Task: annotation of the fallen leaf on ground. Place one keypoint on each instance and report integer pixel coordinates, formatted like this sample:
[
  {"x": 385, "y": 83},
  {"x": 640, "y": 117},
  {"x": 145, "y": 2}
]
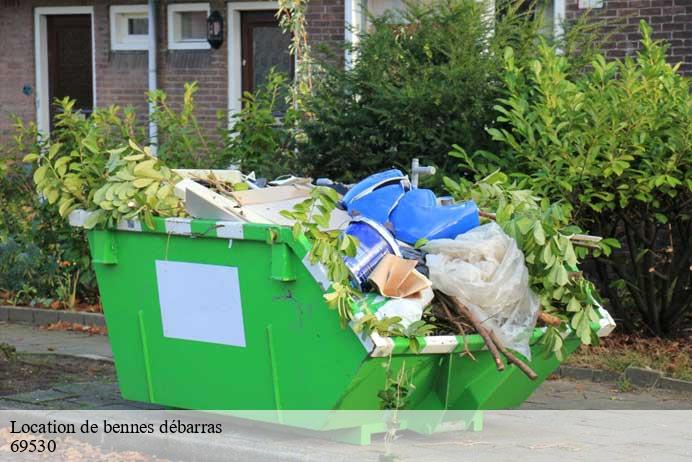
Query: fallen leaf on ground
[{"x": 75, "y": 327}]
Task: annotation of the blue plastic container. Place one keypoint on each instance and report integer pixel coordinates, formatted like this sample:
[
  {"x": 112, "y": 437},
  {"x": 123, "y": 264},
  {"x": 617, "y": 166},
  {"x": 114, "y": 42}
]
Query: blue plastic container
[
  {"x": 374, "y": 242},
  {"x": 418, "y": 216},
  {"x": 377, "y": 195}
]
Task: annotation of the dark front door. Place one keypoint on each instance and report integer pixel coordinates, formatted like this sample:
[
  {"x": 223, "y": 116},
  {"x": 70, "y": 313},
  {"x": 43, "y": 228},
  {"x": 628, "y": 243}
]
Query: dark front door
[
  {"x": 264, "y": 45},
  {"x": 69, "y": 61}
]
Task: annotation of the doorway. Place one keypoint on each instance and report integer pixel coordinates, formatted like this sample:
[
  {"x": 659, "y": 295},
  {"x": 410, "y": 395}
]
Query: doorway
[
  {"x": 69, "y": 62},
  {"x": 64, "y": 54},
  {"x": 264, "y": 46}
]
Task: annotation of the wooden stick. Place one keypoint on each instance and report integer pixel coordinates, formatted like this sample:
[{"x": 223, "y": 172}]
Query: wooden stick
[
  {"x": 461, "y": 309},
  {"x": 549, "y": 319},
  {"x": 585, "y": 237},
  {"x": 513, "y": 359},
  {"x": 459, "y": 327}
]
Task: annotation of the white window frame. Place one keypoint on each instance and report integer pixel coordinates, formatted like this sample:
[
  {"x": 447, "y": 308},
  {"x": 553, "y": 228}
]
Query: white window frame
[
  {"x": 41, "y": 59},
  {"x": 558, "y": 17},
  {"x": 173, "y": 23},
  {"x": 120, "y": 38},
  {"x": 235, "y": 52}
]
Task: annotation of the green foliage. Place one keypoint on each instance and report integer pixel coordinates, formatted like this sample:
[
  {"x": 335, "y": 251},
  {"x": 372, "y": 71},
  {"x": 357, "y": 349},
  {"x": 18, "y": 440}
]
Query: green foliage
[
  {"x": 423, "y": 79},
  {"x": 614, "y": 145},
  {"x": 543, "y": 233},
  {"x": 182, "y": 141},
  {"x": 397, "y": 389},
  {"x": 262, "y": 142},
  {"x": 259, "y": 140},
  {"x": 84, "y": 166},
  {"x": 327, "y": 247},
  {"x": 70, "y": 166},
  {"x": 138, "y": 186},
  {"x": 39, "y": 252}
]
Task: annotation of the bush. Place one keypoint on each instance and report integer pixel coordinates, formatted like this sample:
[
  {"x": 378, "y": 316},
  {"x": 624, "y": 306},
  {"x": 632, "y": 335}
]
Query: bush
[
  {"x": 615, "y": 143},
  {"x": 259, "y": 140},
  {"x": 262, "y": 139},
  {"x": 42, "y": 259},
  {"x": 415, "y": 89}
]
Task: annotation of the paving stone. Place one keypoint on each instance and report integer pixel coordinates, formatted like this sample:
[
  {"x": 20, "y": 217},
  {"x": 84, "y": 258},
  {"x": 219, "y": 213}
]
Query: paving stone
[
  {"x": 91, "y": 402},
  {"x": 104, "y": 391},
  {"x": 675, "y": 384},
  {"x": 4, "y": 313},
  {"x": 6, "y": 404},
  {"x": 642, "y": 377},
  {"x": 40, "y": 396},
  {"x": 24, "y": 315},
  {"x": 577, "y": 373}
]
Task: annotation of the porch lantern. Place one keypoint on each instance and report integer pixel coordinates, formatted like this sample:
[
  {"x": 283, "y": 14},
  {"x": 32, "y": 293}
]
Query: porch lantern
[{"x": 215, "y": 29}]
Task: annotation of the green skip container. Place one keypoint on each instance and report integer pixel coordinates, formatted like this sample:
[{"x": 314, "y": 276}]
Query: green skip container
[{"x": 212, "y": 315}]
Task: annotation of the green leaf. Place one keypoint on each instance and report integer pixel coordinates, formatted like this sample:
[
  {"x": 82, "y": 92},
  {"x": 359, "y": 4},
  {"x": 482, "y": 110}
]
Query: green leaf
[
  {"x": 420, "y": 243},
  {"x": 30, "y": 158},
  {"x": 538, "y": 233},
  {"x": 40, "y": 174},
  {"x": 93, "y": 219}
]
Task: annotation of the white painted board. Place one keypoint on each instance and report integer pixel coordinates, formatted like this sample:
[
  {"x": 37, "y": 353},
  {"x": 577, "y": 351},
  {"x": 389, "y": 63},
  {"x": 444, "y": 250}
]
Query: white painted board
[{"x": 200, "y": 302}]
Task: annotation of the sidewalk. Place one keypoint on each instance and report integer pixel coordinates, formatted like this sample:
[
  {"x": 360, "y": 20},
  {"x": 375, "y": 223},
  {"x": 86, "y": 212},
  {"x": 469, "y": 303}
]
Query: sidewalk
[
  {"x": 30, "y": 339},
  {"x": 553, "y": 394}
]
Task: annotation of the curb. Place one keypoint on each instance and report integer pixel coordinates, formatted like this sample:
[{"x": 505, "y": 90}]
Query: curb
[
  {"x": 42, "y": 316},
  {"x": 637, "y": 376}
]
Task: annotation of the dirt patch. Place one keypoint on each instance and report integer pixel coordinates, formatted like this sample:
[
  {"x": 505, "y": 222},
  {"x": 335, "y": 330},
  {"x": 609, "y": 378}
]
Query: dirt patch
[
  {"x": 616, "y": 352},
  {"x": 28, "y": 372}
]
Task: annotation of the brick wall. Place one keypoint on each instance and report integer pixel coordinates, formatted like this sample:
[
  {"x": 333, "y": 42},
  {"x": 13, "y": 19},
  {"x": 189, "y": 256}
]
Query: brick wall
[
  {"x": 121, "y": 76},
  {"x": 671, "y": 20},
  {"x": 16, "y": 64},
  {"x": 325, "y": 20}
]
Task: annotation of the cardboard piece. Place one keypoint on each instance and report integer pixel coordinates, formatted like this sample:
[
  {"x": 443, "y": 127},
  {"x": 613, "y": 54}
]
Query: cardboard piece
[
  {"x": 255, "y": 206},
  {"x": 202, "y": 202},
  {"x": 273, "y": 194},
  {"x": 397, "y": 277}
]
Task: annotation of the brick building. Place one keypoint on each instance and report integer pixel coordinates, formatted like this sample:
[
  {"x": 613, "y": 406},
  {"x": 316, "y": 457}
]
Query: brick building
[{"x": 96, "y": 50}]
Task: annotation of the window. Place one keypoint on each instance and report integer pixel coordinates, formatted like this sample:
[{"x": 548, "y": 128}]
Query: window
[
  {"x": 187, "y": 26},
  {"x": 129, "y": 27}
]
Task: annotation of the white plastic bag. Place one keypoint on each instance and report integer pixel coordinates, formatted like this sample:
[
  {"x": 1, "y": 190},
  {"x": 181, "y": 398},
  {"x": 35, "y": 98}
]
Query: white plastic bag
[
  {"x": 484, "y": 269},
  {"x": 408, "y": 309}
]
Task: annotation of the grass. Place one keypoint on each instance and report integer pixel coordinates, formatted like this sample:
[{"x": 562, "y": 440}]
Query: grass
[{"x": 617, "y": 352}]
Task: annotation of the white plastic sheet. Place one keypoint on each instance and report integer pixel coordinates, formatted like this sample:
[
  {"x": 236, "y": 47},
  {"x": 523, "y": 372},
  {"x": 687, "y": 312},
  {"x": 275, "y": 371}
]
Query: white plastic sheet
[
  {"x": 484, "y": 269},
  {"x": 408, "y": 309}
]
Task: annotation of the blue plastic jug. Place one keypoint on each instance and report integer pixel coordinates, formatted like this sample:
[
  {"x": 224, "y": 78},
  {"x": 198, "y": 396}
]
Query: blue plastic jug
[{"x": 417, "y": 216}]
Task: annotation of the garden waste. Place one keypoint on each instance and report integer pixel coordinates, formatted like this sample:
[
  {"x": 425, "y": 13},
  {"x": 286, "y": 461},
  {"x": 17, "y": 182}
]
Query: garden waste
[{"x": 485, "y": 271}]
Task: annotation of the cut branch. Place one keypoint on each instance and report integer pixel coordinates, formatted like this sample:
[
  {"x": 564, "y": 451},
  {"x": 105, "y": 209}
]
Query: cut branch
[
  {"x": 458, "y": 325},
  {"x": 549, "y": 319},
  {"x": 461, "y": 309},
  {"x": 530, "y": 373}
]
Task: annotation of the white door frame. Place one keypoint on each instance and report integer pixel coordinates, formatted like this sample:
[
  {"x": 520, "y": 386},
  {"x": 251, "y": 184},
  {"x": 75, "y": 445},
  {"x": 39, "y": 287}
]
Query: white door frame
[
  {"x": 41, "y": 59},
  {"x": 235, "y": 52}
]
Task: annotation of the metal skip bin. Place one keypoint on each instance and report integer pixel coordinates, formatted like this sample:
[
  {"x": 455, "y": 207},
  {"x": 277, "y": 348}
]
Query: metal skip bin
[{"x": 215, "y": 315}]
